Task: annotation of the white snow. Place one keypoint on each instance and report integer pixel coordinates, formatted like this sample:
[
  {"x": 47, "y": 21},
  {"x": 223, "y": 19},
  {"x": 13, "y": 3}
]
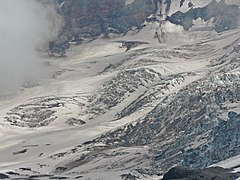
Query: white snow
[
  {"x": 82, "y": 76},
  {"x": 128, "y": 2}
]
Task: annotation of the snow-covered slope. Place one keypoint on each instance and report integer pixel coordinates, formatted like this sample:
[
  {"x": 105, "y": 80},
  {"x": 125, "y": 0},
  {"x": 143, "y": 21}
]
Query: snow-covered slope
[{"x": 108, "y": 113}]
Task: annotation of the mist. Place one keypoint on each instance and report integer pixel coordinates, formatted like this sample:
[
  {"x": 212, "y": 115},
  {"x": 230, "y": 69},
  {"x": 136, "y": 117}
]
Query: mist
[{"x": 26, "y": 26}]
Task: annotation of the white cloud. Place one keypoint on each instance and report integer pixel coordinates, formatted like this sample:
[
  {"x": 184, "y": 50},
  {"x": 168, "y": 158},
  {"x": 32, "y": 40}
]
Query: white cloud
[{"x": 25, "y": 26}]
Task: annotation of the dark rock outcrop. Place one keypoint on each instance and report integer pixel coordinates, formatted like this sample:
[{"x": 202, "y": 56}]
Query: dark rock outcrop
[
  {"x": 74, "y": 121},
  {"x": 87, "y": 19},
  {"x": 213, "y": 173},
  {"x": 224, "y": 144},
  {"x": 129, "y": 176},
  {"x": 224, "y": 16},
  {"x": 4, "y": 176}
]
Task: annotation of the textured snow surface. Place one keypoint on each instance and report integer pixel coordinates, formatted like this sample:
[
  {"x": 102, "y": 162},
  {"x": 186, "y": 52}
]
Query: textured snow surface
[{"x": 51, "y": 129}]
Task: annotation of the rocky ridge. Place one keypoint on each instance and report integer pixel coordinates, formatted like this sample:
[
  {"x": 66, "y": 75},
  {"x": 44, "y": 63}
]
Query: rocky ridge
[{"x": 86, "y": 20}]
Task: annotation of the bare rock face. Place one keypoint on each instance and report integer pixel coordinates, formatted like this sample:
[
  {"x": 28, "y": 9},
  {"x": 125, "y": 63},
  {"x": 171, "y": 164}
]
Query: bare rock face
[
  {"x": 87, "y": 19},
  {"x": 208, "y": 174},
  {"x": 90, "y": 18},
  {"x": 3, "y": 176},
  {"x": 224, "y": 16}
]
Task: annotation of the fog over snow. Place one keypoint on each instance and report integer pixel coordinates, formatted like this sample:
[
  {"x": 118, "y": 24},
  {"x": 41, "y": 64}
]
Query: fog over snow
[{"x": 25, "y": 27}]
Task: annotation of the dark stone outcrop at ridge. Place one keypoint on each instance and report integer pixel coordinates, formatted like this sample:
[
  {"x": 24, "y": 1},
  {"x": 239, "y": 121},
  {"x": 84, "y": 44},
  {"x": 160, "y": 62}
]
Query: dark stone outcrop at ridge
[
  {"x": 225, "y": 16},
  {"x": 212, "y": 173},
  {"x": 4, "y": 176},
  {"x": 87, "y": 19}
]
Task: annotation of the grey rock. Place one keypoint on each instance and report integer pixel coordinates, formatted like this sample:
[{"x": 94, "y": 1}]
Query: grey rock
[
  {"x": 225, "y": 16},
  {"x": 129, "y": 176},
  {"x": 4, "y": 176},
  {"x": 74, "y": 121},
  {"x": 213, "y": 173}
]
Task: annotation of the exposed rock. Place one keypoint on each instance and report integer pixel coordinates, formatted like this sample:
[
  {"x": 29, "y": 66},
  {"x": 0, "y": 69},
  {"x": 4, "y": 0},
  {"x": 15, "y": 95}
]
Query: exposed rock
[
  {"x": 225, "y": 16},
  {"x": 131, "y": 44},
  {"x": 213, "y": 173},
  {"x": 74, "y": 121},
  {"x": 87, "y": 19},
  {"x": 4, "y": 176},
  {"x": 39, "y": 176},
  {"x": 129, "y": 176},
  {"x": 224, "y": 143},
  {"x": 233, "y": 115},
  {"x": 20, "y": 152}
]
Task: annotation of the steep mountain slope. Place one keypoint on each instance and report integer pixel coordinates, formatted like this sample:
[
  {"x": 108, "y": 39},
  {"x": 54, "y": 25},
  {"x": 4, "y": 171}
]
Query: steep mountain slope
[
  {"x": 85, "y": 20},
  {"x": 108, "y": 113}
]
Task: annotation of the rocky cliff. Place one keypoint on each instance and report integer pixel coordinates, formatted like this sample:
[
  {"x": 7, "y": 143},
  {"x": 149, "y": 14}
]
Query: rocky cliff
[{"x": 87, "y": 19}]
